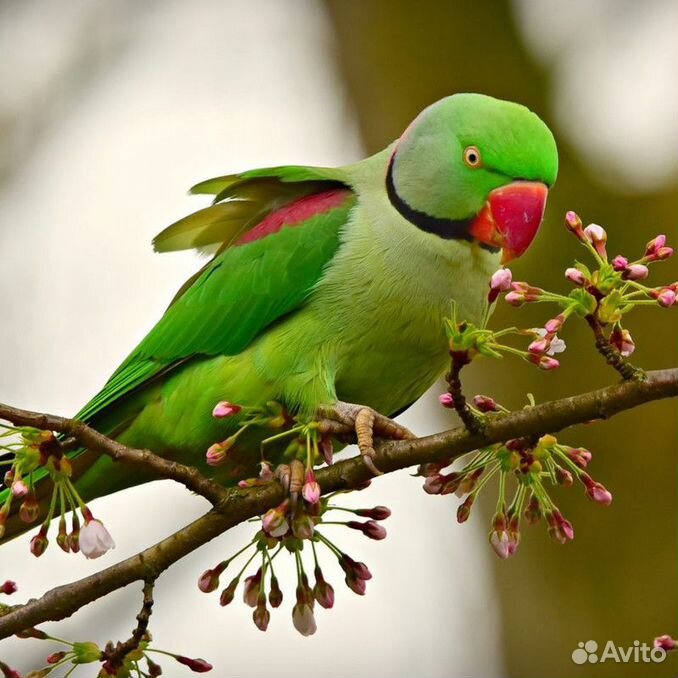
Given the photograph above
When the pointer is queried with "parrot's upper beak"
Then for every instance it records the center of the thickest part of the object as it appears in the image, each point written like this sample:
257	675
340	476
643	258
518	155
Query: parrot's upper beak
511	217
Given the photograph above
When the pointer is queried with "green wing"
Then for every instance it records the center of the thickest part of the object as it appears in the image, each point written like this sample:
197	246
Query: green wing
244	288
241	202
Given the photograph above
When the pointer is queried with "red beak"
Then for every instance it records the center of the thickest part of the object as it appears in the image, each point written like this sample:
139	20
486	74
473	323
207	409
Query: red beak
511	217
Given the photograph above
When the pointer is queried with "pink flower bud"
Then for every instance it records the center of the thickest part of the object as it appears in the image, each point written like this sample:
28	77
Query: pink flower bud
261	616
356	585
656	243
544	362
56	657
303	619
485	403
514	540
559	529
574	224
225	409
209	581
370	528
555	324
228	593
95	539
62	539
597	236
322	591
574	275
216	454
622	340
8	672
499	540
19	489
564	477
619	263
8	588
74	536
275	595
579	455
565	526
656	249
39	542
376	513
29	510
499	282
597	491
515	299
547	363
197	665
251	589
539	346
501	279
446	400
311	490
154	670
532	511
636	272
433	484
665	297
666	643
464	509
354	568
663	253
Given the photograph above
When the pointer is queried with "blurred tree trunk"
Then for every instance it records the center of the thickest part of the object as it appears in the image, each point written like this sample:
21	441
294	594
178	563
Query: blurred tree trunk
616	581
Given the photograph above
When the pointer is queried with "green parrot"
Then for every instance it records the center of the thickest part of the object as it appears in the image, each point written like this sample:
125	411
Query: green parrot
328	286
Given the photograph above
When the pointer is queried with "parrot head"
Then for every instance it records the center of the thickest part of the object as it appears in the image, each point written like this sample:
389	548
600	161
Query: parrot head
475	168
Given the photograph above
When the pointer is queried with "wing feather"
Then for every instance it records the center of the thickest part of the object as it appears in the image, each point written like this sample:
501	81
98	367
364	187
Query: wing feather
241	201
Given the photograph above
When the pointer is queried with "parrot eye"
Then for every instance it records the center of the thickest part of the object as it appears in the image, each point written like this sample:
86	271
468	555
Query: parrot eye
472	157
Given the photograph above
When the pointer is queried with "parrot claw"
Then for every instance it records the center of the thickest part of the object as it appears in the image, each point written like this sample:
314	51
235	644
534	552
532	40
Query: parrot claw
291	478
347	419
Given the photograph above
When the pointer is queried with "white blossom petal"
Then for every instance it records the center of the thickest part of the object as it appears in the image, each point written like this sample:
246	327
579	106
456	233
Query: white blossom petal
95	539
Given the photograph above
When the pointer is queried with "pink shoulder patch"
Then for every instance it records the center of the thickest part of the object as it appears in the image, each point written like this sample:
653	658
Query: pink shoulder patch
296	213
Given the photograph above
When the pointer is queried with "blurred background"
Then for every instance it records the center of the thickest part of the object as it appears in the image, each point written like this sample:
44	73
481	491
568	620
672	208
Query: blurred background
109	111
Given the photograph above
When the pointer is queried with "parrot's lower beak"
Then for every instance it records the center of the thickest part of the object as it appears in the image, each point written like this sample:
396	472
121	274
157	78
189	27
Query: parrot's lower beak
511	217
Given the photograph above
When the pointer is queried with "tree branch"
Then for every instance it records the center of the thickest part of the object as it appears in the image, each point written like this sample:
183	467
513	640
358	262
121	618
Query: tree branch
236	505
97	442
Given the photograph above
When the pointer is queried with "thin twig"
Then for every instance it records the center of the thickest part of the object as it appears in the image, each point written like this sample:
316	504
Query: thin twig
115	656
454	388
237	504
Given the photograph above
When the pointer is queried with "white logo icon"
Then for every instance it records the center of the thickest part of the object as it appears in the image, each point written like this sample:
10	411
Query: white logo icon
586	652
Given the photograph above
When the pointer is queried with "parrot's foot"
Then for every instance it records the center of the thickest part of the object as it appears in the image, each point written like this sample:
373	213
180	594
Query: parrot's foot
291	477
344	419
